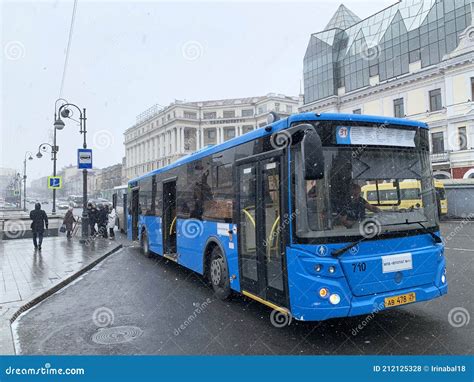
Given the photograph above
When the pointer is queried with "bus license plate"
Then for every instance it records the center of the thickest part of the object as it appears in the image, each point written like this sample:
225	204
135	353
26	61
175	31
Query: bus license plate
402	299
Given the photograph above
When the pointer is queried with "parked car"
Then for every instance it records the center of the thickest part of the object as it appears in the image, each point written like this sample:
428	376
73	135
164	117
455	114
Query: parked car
63	205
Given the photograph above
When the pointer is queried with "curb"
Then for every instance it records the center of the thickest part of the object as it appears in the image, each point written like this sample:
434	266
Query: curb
43	295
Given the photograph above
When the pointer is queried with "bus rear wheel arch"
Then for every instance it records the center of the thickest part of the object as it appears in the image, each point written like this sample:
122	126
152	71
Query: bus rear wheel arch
145	243
217	271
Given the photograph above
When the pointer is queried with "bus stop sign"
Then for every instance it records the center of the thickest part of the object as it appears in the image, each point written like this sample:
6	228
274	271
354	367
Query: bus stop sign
84	158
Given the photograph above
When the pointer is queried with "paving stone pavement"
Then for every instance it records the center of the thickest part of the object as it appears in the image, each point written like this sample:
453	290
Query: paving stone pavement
26	274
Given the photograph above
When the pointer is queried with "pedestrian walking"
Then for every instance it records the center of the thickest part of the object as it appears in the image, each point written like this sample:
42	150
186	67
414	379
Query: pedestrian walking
39	221
69	221
111	223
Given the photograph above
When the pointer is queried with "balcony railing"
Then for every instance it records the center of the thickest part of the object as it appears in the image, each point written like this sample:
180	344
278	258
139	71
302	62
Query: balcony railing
440	157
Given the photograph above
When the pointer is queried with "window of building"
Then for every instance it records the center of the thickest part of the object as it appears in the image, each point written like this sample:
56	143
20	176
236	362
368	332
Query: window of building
210	115
289	109
246	128
277	106
229	113
462	138
398	108
435	100
357	111
229	133
437	143
247	113
211	133
472	88
190	115
262	109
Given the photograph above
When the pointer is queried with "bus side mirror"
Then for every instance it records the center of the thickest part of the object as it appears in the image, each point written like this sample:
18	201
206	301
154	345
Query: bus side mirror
313	158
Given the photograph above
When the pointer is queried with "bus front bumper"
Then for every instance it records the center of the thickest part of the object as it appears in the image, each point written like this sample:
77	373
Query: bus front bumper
371	304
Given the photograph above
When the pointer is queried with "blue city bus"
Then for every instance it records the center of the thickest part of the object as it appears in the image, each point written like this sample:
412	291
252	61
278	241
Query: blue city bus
277	215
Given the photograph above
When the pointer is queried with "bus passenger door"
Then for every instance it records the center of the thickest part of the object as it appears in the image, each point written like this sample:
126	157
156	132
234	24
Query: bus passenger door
135	205
169	220
261	254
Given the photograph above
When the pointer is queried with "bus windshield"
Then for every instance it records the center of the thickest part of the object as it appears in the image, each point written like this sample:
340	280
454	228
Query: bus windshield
389	187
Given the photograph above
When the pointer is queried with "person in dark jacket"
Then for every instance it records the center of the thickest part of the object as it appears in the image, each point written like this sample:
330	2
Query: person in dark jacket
92	214
39	221
102	220
69	221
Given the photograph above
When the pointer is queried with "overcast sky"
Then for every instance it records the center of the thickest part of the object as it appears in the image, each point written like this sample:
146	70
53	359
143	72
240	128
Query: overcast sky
127	56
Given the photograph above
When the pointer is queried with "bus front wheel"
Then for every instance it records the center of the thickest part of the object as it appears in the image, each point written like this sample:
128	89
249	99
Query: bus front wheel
219	274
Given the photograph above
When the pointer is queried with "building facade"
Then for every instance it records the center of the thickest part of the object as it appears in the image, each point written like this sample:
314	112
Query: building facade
108	177
414	60
162	135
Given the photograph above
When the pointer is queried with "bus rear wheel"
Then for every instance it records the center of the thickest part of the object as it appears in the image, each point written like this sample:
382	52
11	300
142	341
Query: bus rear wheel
145	244
219	274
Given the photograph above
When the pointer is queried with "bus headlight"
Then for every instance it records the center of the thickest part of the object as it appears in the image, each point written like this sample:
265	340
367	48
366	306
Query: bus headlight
318	267
332	269
334	299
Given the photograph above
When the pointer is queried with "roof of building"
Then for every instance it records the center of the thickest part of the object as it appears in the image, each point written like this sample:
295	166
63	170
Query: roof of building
281	125
342	19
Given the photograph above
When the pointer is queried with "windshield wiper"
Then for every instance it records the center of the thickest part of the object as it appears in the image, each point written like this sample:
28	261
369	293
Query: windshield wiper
340	251
436	238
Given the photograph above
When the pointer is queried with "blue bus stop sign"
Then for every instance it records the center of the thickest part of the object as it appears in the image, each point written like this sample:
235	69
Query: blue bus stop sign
84	158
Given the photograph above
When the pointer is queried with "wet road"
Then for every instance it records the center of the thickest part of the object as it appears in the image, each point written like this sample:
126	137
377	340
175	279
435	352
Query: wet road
133	305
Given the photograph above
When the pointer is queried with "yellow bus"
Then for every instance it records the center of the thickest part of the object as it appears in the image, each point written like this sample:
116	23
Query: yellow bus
409	195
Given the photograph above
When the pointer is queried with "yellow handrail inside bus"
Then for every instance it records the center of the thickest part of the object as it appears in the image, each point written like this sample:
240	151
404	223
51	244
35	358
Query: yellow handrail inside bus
273	229
172	224
249	216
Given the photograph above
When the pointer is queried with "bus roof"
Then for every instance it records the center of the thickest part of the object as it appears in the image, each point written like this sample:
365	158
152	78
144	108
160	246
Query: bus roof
281	125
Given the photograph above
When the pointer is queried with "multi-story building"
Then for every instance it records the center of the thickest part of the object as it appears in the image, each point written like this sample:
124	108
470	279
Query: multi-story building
162	135
108	177
414	59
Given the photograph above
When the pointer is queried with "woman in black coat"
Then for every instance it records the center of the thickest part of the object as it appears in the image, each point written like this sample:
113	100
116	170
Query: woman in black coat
39	221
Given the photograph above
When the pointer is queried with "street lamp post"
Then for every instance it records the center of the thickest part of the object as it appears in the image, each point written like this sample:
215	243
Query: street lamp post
55	148
30	157
65	112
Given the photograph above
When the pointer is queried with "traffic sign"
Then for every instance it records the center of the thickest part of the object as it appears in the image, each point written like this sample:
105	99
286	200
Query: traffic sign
84	158
55	182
